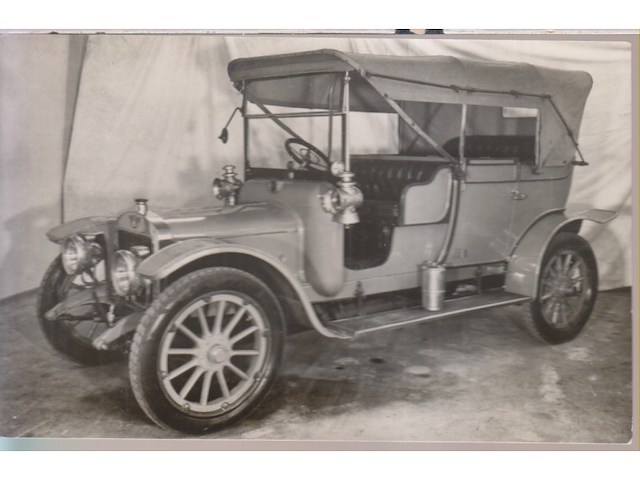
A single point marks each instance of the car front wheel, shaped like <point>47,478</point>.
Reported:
<point>207,350</point>
<point>73,332</point>
<point>567,290</point>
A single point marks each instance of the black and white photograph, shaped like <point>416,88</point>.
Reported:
<point>406,237</point>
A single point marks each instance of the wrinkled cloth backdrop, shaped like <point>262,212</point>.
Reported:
<point>149,110</point>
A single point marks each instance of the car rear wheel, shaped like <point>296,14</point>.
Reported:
<point>567,290</point>
<point>207,350</point>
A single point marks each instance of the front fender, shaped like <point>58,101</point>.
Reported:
<point>81,225</point>
<point>176,256</point>
<point>170,259</point>
<point>526,258</point>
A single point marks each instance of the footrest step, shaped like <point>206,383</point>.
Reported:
<point>355,326</point>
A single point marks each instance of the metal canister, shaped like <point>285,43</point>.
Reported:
<point>433,287</point>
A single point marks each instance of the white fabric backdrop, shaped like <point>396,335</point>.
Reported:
<point>150,108</point>
<point>38,81</point>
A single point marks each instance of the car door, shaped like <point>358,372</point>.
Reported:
<point>482,232</point>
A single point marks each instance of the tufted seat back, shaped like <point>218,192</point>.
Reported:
<point>384,180</point>
<point>520,147</point>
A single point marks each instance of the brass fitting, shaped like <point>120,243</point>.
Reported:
<point>141,206</point>
<point>343,200</point>
<point>226,188</point>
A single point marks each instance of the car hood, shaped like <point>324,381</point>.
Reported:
<point>217,222</point>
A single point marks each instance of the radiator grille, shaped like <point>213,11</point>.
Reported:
<point>126,240</point>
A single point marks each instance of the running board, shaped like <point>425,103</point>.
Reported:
<point>356,326</point>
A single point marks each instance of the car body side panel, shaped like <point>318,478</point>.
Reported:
<point>323,236</point>
<point>535,196</point>
<point>411,246</point>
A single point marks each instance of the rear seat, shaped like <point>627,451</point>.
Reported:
<point>384,180</point>
<point>518,147</point>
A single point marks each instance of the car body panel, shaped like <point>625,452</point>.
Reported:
<point>483,230</point>
<point>323,237</point>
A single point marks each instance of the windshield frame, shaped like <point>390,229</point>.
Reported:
<point>341,112</point>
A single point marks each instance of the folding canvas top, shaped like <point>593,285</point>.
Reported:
<point>436,70</point>
<point>309,79</point>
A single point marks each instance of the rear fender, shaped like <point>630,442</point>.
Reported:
<point>174,257</point>
<point>526,257</point>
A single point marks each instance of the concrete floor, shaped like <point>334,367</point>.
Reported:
<point>478,378</point>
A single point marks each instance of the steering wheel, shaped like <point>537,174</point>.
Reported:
<point>306,155</point>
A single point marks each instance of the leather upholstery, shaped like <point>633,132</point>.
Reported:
<point>386,179</point>
<point>519,147</point>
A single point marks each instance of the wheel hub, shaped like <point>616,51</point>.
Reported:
<point>218,354</point>
<point>214,352</point>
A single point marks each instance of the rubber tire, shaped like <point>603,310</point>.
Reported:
<point>57,333</point>
<point>536,323</point>
<point>143,357</point>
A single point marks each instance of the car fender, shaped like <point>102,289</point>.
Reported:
<point>81,225</point>
<point>171,258</point>
<point>526,256</point>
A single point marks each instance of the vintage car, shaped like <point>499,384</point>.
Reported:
<point>378,192</point>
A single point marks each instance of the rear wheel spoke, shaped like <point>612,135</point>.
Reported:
<point>548,308</point>
<point>557,266</point>
<point>570,308</point>
<point>561,314</point>
<point>545,297</point>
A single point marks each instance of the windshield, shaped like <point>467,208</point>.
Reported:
<point>369,133</point>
